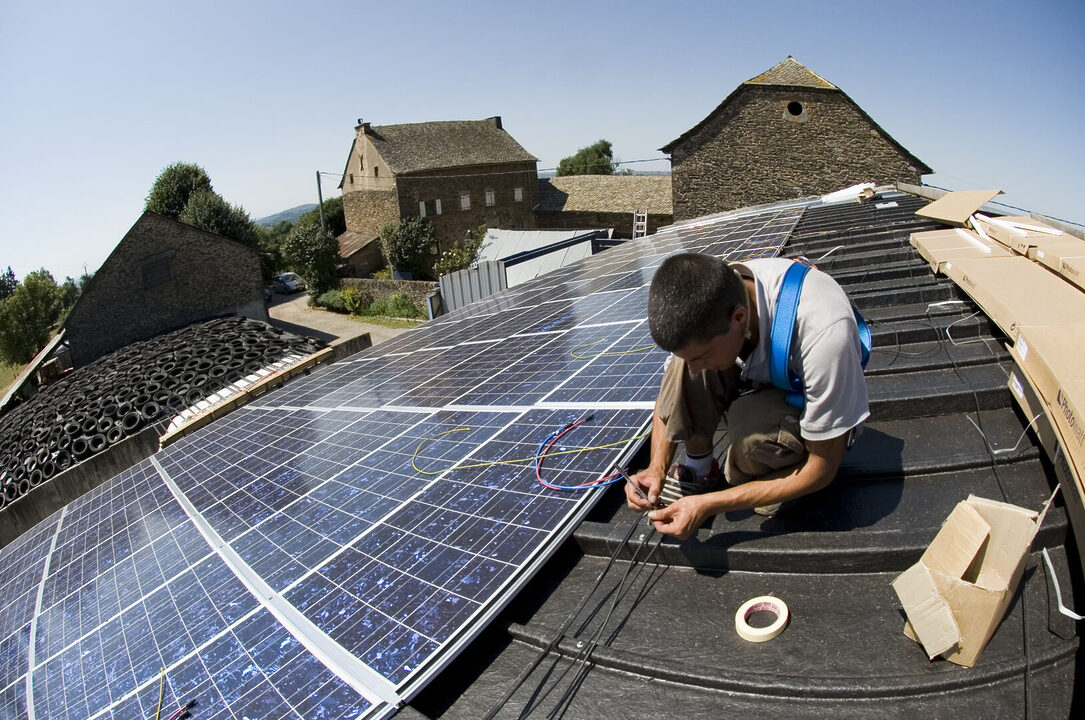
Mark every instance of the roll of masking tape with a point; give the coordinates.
(764, 603)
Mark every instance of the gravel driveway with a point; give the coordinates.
(293, 314)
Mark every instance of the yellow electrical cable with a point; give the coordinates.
(533, 458)
(161, 680)
(572, 352)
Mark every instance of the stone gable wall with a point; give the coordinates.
(194, 274)
(757, 151)
(367, 211)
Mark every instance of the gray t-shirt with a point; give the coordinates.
(826, 352)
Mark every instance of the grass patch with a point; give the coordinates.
(392, 322)
(8, 373)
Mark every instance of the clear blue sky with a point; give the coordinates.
(96, 98)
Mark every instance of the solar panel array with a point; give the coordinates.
(324, 552)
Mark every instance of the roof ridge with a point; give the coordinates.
(790, 71)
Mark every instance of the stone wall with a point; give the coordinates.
(447, 185)
(162, 275)
(367, 211)
(775, 143)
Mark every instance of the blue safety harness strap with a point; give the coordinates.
(783, 331)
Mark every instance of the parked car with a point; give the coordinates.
(288, 283)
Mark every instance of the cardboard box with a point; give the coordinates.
(955, 208)
(1035, 409)
(1073, 269)
(1019, 233)
(1051, 357)
(1015, 292)
(938, 247)
(957, 594)
(1051, 251)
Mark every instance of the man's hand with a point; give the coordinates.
(681, 518)
(651, 482)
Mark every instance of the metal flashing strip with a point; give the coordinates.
(363, 679)
(31, 653)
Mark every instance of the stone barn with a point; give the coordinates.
(786, 133)
(162, 275)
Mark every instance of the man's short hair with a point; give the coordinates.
(691, 300)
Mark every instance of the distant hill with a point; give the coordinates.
(290, 215)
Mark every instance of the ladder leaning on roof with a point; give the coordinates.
(640, 224)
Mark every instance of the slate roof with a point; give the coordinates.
(792, 73)
(352, 242)
(417, 147)
(606, 194)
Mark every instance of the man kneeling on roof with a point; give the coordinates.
(717, 320)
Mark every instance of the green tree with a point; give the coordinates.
(28, 315)
(8, 283)
(174, 186)
(313, 254)
(271, 242)
(597, 159)
(207, 210)
(333, 216)
(410, 247)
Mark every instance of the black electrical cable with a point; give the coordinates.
(530, 668)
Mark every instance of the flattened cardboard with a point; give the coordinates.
(956, 208)
(938, 247)
(1014, 291)
(957, 594)
(1050, 356)
(1051, 251)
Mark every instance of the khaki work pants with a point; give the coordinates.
(762, 427)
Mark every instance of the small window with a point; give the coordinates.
(491, 197)
(437, 206)
(422, 209)
(465, 200)
(518, 194)
(352, 178)
(376, 171)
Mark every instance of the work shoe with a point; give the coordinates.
(688, 482)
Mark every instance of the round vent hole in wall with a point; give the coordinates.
(794, 108)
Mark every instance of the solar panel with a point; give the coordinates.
(324, 551)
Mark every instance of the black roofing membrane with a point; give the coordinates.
(668, 648)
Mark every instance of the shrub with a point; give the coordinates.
(354, 300)
(396, 305)
(331, 300)
(314, 255)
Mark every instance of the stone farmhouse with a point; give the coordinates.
(458, 175)
(786, 133)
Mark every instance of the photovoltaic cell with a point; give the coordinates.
(323, 551)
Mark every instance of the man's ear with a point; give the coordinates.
(739, 315)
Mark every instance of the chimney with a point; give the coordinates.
(496, 120)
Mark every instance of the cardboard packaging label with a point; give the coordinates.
(957, 594)
(1073, 269)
